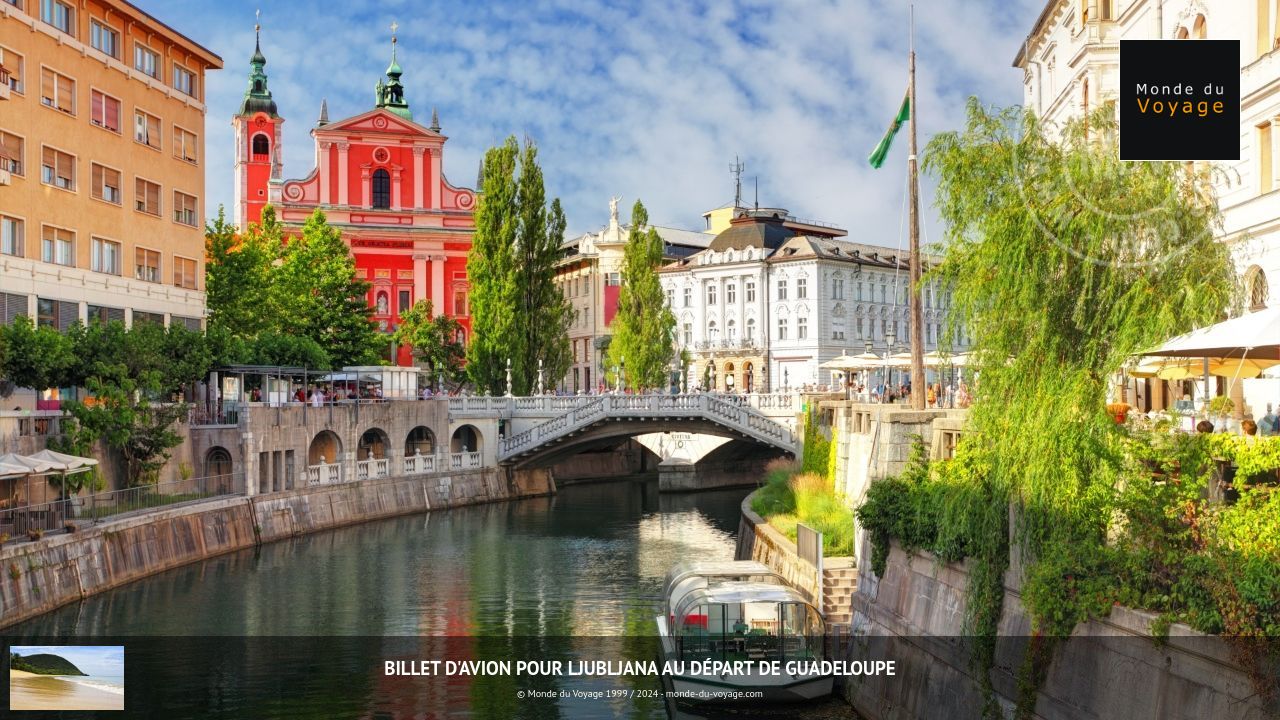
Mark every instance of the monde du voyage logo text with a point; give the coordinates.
(1179, 99)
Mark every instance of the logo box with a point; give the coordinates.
(1179, 99)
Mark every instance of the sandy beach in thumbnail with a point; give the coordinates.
(28, 691)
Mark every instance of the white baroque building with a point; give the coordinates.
(772, 298)
(1071, 65)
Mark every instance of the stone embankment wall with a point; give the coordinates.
(757, 540)
(61, 568)
(1110, 668)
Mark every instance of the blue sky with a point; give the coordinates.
(91, 659)
(640, 99)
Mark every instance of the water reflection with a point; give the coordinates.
(300, 628)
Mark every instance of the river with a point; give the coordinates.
(302, 628)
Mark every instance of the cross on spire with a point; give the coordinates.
(394, 26)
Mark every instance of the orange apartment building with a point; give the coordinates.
(101, 165)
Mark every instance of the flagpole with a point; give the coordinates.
(917, 320)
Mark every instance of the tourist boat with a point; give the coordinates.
(719, 614)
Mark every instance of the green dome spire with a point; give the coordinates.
(390, 95)
(257, 98)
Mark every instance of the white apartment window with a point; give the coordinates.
(711, 294)
(106, 183)
(612, 279)
(859, 291)
(58, 246)
(671, 297)
(802, 288)
(730, 294)
(146, 61)
(58, 14)
(104, 38)
(802, 328)
(782, 328)
(104, 111)
(782, 289)
(146, 265)
(104, 256)
(10, 236)
(688, 297)
(147, 197)
(184, 208)
(184, 273)
(688, 333)
(184, 81)
(184, 144)
(146, 128)
(11, 152)
(58, 169)
(751, 330)
(57, 91)
(16, 65)
(751, 291)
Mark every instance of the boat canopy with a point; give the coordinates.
(694, 574)
(736, 593)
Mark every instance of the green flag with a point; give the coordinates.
(904, 114)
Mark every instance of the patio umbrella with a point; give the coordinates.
(65, 463)
(897, 360)
(1240, 367)
(861, 361)
(1254, 335)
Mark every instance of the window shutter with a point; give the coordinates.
(68, 313)
(111, 107)
(114, 314)
(11, 306)
(66, 94)
(98, 176)
(47, 87)
(49, 158)
(97, 107)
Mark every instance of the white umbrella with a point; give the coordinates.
(1254, 335)
(896, 360)
(854, 362)
(65, 463)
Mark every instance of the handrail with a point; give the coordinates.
(735, 412)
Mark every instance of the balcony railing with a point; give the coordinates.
(749, 344)
(419, 464)
(324, 474)
(373, 468)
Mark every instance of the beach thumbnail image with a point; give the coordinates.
(66, 677)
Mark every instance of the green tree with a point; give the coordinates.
(318, 295)
(35, 357)
(517, 312)
(238, 274)
(1062, 262)
(434, 339)
(643, 326)
(543, 313)
(489, 269)
(139, 431)
(272, 348)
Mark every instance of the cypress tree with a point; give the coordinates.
(518, 313)
(489, 268)
(643, 326)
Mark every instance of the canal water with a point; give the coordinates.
(303, 628)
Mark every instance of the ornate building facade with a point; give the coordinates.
(773, 297)
(379, 179)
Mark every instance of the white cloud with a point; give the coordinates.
(650, 100)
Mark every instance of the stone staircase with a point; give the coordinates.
(839, 580)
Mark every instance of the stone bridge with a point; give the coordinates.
(581, 422)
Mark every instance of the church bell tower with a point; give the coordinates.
(258, 136)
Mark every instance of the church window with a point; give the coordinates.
(381, 188)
